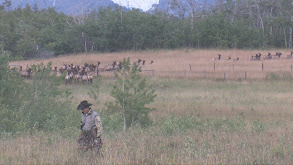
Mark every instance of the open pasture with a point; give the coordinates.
(197, 121)
(188, 63)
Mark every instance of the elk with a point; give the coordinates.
(229, 58)
(256, 57)
(152, 62)
(278, 55)
(120, 65)
(76, 78)
(290, 56)
(107, 68)
(236, 59)
(219, 57)
(26, 73)
(84, 78)
(90, 78)
(268, 57)
(68, 77)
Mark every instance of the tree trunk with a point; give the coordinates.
(260, 19)
(123, 106)
(85, 46)
(234, 12)
(291, 34)
(285, 37)
(121, 14)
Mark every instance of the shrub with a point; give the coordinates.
(173, 124)
(132, 93)
(274, 76)
(34, 105)
(258, 126)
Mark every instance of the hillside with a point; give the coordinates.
(69, 7)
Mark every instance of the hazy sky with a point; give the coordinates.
(142, 4)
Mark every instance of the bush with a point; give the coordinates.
(258, 126)
(34, 105)
(232, 125)
(132, 93)
(112, 123)
(173, 124)
(274, 76)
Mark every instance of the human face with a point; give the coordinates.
(86, 110)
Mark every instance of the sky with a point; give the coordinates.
(141, 4)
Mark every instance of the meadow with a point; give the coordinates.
(197, 121)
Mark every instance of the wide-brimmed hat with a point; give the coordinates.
(83, 104)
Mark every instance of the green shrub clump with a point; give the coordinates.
(36, 104)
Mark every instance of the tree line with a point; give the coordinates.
(243, 24)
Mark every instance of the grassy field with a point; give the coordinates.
(187, 63)
(196, 122)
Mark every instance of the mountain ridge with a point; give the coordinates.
(76, 7)
(69, 7)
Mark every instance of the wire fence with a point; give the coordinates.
(234, 72)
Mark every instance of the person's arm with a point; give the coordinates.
(99, 126)
(81, 126)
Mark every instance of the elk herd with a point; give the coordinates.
(270, 56)
(81, 73)
(228, 58)
(258, 57)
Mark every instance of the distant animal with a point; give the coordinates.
(68, 77)
(152, 62)
(107, 68)
(76, 78)
(84, 78)
(219, 57)
(229, 58)
(90, 78)
(290, 56)
(236, 59)
(26, 73)
(256, 57)
(278, 55)
(268, 57)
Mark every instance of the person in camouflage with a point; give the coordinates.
(91, 129)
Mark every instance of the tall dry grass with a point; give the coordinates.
(212, 122)
(176, 63)
(211, 146)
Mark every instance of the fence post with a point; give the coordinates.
(214, 66)
(190, 67)
(245, 75)
(262, 66)
(185, 74)
(153, 73)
